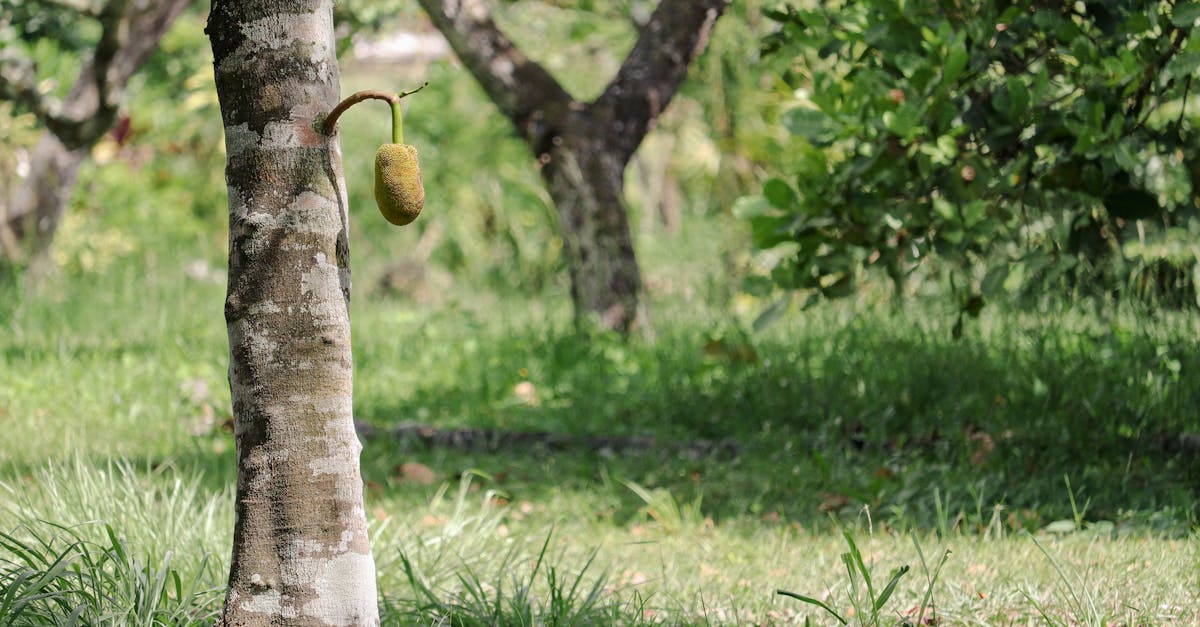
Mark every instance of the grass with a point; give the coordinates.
(850, 417)
(1039, 449)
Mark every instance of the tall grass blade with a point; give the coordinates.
(812, 601)
(888, 589)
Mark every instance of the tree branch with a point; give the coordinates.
(676, 34)
(18, 83)
(129, 33)
(523, 90)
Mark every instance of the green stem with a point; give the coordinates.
(397, 122)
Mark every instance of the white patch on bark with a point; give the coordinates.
(283, 135)
(344, 589)
(239, 139)
(266, 603)
(502, 68)
(266, 307)
(259, 341)
(328, 466)
(279, 31)
(320, 282)
(312, 213)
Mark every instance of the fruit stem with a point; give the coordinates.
(329, 124)
(397, 123)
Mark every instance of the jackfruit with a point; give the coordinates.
(398, 189)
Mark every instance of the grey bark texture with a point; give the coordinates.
(583, 148)
(301, 555)
(130, 32)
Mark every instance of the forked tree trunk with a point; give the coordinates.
(301, 554)
(584, 147)
(131, 30)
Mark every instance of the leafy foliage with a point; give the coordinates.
(1018, 140)
(57, 577)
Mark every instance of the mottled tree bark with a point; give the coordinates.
(301, 555)
(130, 32)
(584, 147)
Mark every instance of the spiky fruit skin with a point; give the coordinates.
(398, 189)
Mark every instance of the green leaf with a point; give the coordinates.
(779, 194)
(956, 61)
(1185, 14)
(812, 601)
(1018, 97)
(993, 281)
(890, 587)
(773, 313)
(811, 124)
(747, 207)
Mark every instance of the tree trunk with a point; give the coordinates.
(130, 34)
(36, 206)
(585, 179)
(301, 555)
(584, 148)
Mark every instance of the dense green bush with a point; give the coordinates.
(1019, 141)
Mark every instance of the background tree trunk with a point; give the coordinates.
(586, 181)
(584, 148)
(301, 554)
(130, 34)
(36, 206)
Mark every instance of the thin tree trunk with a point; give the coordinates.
(301, 555)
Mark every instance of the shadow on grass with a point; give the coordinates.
(799, 424)
(922, 430)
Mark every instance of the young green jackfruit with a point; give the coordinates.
(398, 189)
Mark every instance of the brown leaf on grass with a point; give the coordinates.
(416, 472)
(984, 445)
(832, 502)
(930, 618)
(526, 393)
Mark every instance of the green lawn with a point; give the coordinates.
(1054, 425)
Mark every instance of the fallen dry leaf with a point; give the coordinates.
(526, 393)
(416, 472)
(832, 502)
